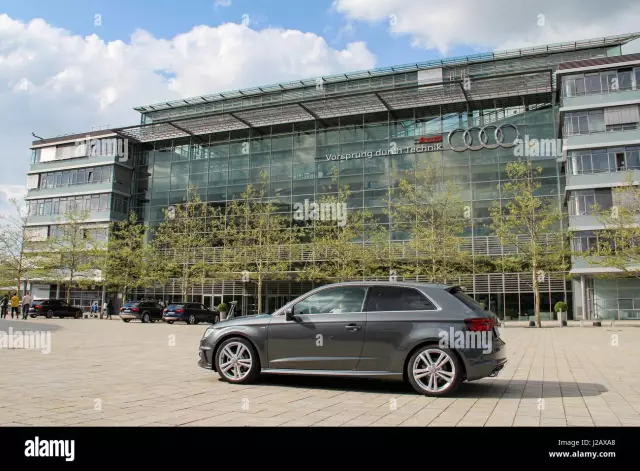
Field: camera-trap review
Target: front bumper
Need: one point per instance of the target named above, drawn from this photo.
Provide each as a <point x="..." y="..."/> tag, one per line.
<point x="206" y="357"/>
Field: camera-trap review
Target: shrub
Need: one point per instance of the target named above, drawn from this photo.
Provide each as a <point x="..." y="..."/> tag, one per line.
<point x="561" y="306"/>
<point x="223" y="307"/>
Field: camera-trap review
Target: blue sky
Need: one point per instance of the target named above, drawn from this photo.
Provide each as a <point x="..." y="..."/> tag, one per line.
<point x="61" y="73"/>
<point x="168" y="18"/>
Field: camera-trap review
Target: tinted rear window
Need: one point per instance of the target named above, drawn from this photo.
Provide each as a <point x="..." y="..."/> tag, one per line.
<point x="131" y="304"/>
<point x="466" y="300"/>
<point x="390" y="298"/>
<point x="173" y="307"/>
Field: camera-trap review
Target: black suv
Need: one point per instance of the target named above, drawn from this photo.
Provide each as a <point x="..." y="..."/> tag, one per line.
<point x="191" y="313"/>
<point x="54" y="307"/>
<point x="146" y="311"/>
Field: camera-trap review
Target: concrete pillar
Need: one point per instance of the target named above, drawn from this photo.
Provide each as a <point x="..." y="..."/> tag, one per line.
<point x="583" y="293"/>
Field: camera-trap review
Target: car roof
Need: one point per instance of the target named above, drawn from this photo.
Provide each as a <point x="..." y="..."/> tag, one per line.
<point x="414" y="284"/>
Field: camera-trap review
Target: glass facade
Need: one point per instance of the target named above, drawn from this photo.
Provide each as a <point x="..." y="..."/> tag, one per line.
<point x="299" y="161"/>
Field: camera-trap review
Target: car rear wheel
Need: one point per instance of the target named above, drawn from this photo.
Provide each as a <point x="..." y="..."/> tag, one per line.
<point x="49" y="314"/>
<point x="126" y="320"/>
<point x="145" y="317"/>
<point x="33" y="315"/>
<point x="237" y="361"/>
<point x="434" y="371"/>
<point x="170" y="322"/>
<point x="78" y="315"/>
<point x="192" y="320"/>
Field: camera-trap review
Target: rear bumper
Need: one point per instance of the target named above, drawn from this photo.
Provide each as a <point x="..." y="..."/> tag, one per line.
<point x="174" y="318"/>
<point x="130" y="315"/>
<point x="483" y="365"/>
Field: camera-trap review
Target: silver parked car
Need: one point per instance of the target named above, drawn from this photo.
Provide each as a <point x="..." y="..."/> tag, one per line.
<point x="434" y="336"/>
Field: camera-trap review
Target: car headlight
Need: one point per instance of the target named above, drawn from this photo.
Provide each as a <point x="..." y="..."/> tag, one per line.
<point x="207" y="333"/>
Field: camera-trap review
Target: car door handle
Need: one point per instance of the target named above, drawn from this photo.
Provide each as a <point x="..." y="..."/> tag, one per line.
<point x="353" y="327"/>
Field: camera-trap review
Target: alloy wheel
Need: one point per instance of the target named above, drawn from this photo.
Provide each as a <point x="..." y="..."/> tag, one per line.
<point x="235" y="361"/>
<point x="434" y="370"/>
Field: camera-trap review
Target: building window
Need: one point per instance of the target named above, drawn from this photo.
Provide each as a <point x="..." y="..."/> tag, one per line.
<point x="606" y="81"/>
<point x="585" y="202"/>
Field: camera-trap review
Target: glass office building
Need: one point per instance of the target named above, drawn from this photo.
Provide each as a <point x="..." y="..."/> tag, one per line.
<point x="368" y="127"/>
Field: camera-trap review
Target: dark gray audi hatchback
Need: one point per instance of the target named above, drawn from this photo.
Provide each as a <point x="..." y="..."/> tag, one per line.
<point x="434" y="336"/>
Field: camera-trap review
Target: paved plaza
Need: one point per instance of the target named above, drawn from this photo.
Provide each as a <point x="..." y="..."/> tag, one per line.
<point x="108" y="373"/>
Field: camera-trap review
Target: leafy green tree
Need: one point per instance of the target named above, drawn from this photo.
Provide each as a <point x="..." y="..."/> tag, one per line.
<point x="124" y="259"/>
<point x="429" y="210"/>
<point x="256" y="238"/>
<point x="618" y="243"/>
<point x="342" y="240"/>
<point x="525" y="221"/>
<point x="180" y="242"/>
<point x="68" y="256"/>
<point x="14" y="246"/>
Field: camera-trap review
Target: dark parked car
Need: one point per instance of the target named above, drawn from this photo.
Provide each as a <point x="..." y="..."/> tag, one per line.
<point x="191" y="313"/>
<point x="146" y="311"/>
<point x="426" y="334"/>
<point x="54" y="307"/>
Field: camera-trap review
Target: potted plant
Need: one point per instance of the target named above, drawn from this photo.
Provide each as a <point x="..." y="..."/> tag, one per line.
<point x="561" y="309"/>
<point x="223" y="309"/>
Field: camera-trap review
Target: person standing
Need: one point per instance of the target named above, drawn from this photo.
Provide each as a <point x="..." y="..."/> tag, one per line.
<point x="15" y="302"/>
<point x="109" y="310"/>
<point x="4" y="304"/>
<point x="26" y="304"/>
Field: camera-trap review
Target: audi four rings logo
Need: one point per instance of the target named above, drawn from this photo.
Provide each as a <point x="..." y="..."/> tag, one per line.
<point x="468" y="136"/>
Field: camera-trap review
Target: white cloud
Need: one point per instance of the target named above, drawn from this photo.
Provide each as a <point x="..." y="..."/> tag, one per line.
<point x="222" y="3"/>
<point x="53" y="82"/>
<point x="495" y="24"/>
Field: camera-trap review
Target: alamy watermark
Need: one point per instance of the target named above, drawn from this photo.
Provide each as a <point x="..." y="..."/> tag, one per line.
<point x="532" y="147"/>
<point x="466" y="339"/>
<point x="308" y="211"/>
<point x="104" y="147"/>
<point x="26" y="340"/>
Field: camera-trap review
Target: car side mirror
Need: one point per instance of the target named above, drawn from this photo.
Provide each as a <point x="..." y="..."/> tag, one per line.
<point x="288" y="312"/>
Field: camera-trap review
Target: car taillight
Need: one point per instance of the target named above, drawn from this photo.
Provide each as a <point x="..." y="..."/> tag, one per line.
<point x="180" y="310"/>
<point x="164" y="310"/>
<point x="37" y="306"/>
<point x="135" y="309"/>
<point x="121" y="309"/>
<point x="480" y="324"/>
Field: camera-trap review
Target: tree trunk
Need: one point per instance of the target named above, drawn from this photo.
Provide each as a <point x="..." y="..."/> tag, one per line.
<point x="259" y="294"/>
<point x="536" y="295"/>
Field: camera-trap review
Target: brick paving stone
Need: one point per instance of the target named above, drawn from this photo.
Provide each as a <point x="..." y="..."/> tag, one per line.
<point x="103" y="373"/>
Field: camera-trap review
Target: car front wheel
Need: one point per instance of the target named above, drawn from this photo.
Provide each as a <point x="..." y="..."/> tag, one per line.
<point x="145" y="317"/>
<point x="192" y="320"/>
<point x="434" y="371"/>
<point x="49" y="314"/>
<point x="237" y="361"/>
<point x="78" y="315"/>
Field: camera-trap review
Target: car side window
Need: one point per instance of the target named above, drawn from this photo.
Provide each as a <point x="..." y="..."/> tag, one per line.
<point x="391" y="298"/>
<point x="333" y="301"/>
